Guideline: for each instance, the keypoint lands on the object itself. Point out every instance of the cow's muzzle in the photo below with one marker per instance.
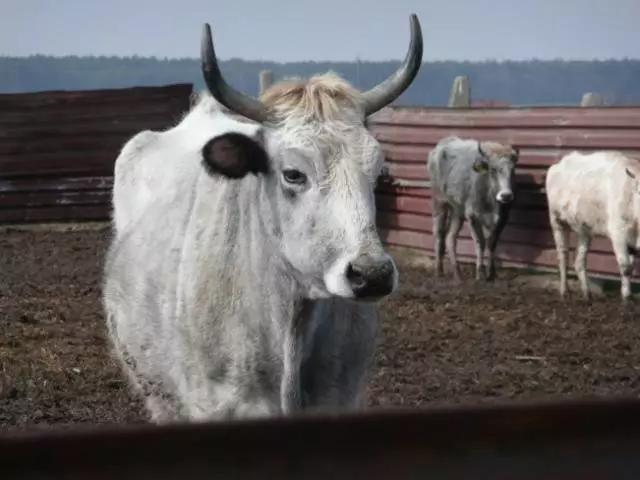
(372, 277)
(504, 197)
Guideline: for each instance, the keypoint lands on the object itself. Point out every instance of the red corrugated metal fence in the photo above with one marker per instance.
(543, 134)
(57, 148)
(57, 151)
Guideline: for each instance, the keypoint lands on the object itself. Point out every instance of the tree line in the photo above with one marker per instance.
(532, 82)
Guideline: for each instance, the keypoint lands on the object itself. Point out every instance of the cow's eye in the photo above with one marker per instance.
(295, 177)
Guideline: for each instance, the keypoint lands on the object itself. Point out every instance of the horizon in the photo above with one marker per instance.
(178, 59)
(453, 30)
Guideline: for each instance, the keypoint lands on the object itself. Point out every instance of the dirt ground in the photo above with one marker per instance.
(440, 343)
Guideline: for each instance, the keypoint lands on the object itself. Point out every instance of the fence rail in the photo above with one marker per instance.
(57, 151)
(553, 440)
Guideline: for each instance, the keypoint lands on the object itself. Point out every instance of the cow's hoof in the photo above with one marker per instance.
(627, 301)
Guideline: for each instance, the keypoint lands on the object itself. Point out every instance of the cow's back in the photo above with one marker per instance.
(148, 170)
(129, 187)
(586, 190)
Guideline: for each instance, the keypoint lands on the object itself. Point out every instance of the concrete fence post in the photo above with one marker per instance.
(266, 79)
(591, 99)
(460, 93)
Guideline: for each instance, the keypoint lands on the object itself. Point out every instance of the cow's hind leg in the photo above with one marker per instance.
(583, 242)
(455, 225)
(478, 237)
(560, 231)
(440, 212)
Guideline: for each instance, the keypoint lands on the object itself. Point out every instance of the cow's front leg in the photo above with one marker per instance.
(298, 336)
(494, 236)
(478, 237)
(231, 401)
(161, 410)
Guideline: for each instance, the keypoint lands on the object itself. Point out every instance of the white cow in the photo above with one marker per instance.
(244, 275)
(595, 194)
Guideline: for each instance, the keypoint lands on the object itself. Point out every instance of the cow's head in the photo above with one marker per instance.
(498, 163)
(319, 165)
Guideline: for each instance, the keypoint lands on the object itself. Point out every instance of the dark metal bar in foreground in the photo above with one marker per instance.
(570, 440)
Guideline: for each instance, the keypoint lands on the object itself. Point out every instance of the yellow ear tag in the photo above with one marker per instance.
(481, 167)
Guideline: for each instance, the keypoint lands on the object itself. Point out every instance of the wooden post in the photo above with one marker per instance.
(460, 93)
(592, 99)
(266, 79)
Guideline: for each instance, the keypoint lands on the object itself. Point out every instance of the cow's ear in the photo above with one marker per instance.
(630, 173)
(481, 152)
(481, 165)
(234, 155)
(516, 154)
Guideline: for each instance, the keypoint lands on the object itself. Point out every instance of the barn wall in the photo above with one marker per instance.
(543, 134)
(57, 149)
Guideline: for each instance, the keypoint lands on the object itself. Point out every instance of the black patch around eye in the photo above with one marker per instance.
(234, 155)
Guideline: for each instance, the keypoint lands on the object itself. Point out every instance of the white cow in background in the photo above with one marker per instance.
(243, 277)
(595, 194)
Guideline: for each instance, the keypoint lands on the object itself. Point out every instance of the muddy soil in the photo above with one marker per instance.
(440, 343)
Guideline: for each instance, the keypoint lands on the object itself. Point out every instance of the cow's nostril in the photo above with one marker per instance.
(505, 197)
(355, 277)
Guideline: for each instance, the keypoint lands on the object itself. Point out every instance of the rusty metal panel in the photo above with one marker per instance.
(418, 153)
(108, 96)
(558, 137)
(53, 145)
(513, 117)
(560, 440)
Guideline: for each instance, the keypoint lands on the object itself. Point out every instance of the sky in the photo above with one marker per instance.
(336, 30)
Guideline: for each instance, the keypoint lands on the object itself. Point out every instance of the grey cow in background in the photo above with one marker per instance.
(470, 180)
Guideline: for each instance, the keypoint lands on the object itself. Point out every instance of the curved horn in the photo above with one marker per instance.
(386, 92)
(220, 89)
